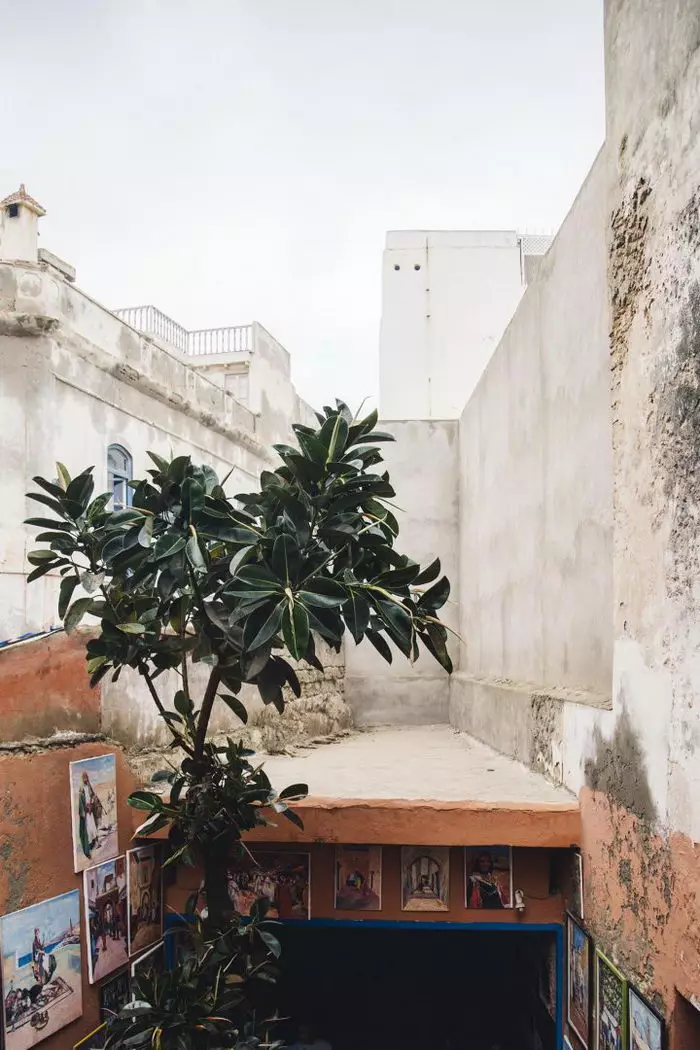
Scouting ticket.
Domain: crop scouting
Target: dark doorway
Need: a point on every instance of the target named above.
(364, 987)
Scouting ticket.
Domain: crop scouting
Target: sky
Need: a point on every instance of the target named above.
(239, 160)
(53, 918)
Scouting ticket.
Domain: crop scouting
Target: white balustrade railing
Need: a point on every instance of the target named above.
(235, 339)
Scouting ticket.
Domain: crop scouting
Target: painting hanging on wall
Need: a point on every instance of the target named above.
(547, 977)
(646, 1025)
(611, 1005)
(425, 878)
(95, 1040)
(104, 894)
(114, 995)
(144, 876)
(284, 878)
(577, 903)
(578, 981)
(358, 878)
(42, 982)
(93, 801)
(488, 873)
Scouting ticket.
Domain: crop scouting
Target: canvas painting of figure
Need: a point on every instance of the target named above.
(114, 995)
(42, 983)
(284, 878)
(646, 1025)
(611, 1005)
(105, 917)
(144, 874)
(358, 878)
(579, 981)
(425, 878)
(93, 799)
(488, 873)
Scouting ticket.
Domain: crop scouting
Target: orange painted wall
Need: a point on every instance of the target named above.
(44, 687)
(530, 873)
(36, 856)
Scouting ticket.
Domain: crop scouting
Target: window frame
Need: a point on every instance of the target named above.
(119, 477)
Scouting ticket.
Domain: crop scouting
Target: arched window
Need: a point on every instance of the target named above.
(120, 469)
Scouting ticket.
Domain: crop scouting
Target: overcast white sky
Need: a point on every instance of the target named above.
(231, 160)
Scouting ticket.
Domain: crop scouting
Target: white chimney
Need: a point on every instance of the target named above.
(19, 227)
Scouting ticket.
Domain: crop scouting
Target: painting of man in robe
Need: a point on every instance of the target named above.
(105, 915)
(425, 878)
(488, 875)
(358, 878)
(281, 877)
(93, 794)
(42, 984)
(579, 980)
(145, 896)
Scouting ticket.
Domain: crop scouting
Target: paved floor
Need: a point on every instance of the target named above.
(415, 762)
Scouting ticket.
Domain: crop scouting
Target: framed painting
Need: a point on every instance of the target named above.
(144, 881)
(358, 878)
(425, 878)
(93, 803)
(547, 977)
(578, 981)
(646, 1025)
(611, 1005)
(284, 878)
(577, 902)
(104, 895)
(488, 877)
(95, 1040)
(114, 994)
(41, 969)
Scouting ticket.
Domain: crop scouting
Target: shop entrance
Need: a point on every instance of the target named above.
(423, 985)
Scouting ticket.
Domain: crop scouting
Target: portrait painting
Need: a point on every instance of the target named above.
(425, 878)
(358, 878)
(611, 1005)
(146, 967)
(283, 878)
(41, 970)
(646, 1026)
(95, 1040)
(114, 994)
(144, 878)
(93, 800)
(578, 985)
(104, 895)
(488, 872)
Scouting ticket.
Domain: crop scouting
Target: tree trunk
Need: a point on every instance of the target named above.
(216, 860)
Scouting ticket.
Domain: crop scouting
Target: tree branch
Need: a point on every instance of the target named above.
(164, 714)
(205, 712)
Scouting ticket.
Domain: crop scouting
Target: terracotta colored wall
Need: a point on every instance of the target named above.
(44, 687)
(36, 857)
(530, 873)
(642, 901)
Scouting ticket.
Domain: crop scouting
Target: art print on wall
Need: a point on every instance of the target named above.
(94, 1041)
(284, 878)
(104, 894)
(547, 977)
(578, 982)
(144, 875)
(611, 1005)
(358, 878)
(577, 903)
(145, 968)
(93, 801)
(488, 875)
(114, 995)
(41, 972)
(646, 1026)
(425, 878)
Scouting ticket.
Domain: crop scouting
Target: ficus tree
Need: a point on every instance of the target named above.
(245, 585)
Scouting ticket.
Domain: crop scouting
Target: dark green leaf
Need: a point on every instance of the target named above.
(285, 558)
(430, 573)
(168, 545)
(236, 705)
(269, 627)
(294, 792)
(380, 644)
(295, 627)
(76, 613)
(53, 504)
(131, 628)
(144, 800)
(68, 585)
(436, 596)
(183, 703)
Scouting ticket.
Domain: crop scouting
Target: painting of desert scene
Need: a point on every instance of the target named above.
(145, 895)
(41, 970)
(105, 915)
(93, 797)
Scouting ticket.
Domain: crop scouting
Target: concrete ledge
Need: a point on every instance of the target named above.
(564, 694)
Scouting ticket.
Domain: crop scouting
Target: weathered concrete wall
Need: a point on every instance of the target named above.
(536, 506)
(422, 464)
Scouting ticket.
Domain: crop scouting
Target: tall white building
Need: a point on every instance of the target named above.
(447, 297)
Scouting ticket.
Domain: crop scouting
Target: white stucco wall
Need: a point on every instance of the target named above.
(446, 299)
(422, 464)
